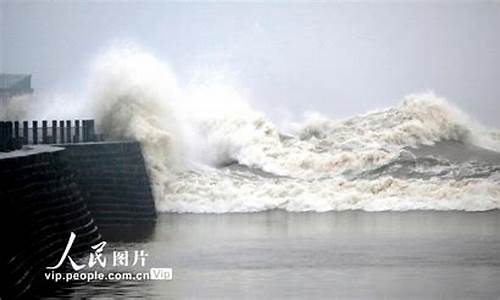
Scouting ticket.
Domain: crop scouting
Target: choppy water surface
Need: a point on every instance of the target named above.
(189, 135)
(277, 254)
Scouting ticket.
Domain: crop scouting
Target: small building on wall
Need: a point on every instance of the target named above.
(12, 85)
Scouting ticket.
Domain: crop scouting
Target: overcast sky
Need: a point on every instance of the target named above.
(339, 59)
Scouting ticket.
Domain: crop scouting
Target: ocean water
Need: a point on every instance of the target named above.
(277, 254)
(399, 202)
(208, 149)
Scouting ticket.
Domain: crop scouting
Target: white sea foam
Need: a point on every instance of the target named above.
(216, 193)
(189, 135)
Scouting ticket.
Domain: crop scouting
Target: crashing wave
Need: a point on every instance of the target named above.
(188, 138)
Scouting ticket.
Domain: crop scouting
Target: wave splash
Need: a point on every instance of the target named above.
(193, 139)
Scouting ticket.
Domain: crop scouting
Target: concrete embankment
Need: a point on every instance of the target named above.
(48, 192)
(40, 206)
(113, 179)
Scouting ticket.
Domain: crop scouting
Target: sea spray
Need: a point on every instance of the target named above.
(208, 150)
(192, 138)
(131, 98)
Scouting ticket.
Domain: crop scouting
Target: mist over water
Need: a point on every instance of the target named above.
(208, 150)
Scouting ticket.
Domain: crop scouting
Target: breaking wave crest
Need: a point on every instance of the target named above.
(207, 150)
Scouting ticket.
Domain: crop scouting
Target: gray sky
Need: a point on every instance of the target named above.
(339, 59)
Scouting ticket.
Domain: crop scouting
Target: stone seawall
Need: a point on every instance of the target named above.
(48, 192)
(40, 206)
(113, 181)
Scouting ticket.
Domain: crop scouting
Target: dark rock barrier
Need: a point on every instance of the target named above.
(48, 192)
(114, 182)
(40, 206)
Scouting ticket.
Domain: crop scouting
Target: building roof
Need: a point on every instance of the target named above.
(15, 81)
